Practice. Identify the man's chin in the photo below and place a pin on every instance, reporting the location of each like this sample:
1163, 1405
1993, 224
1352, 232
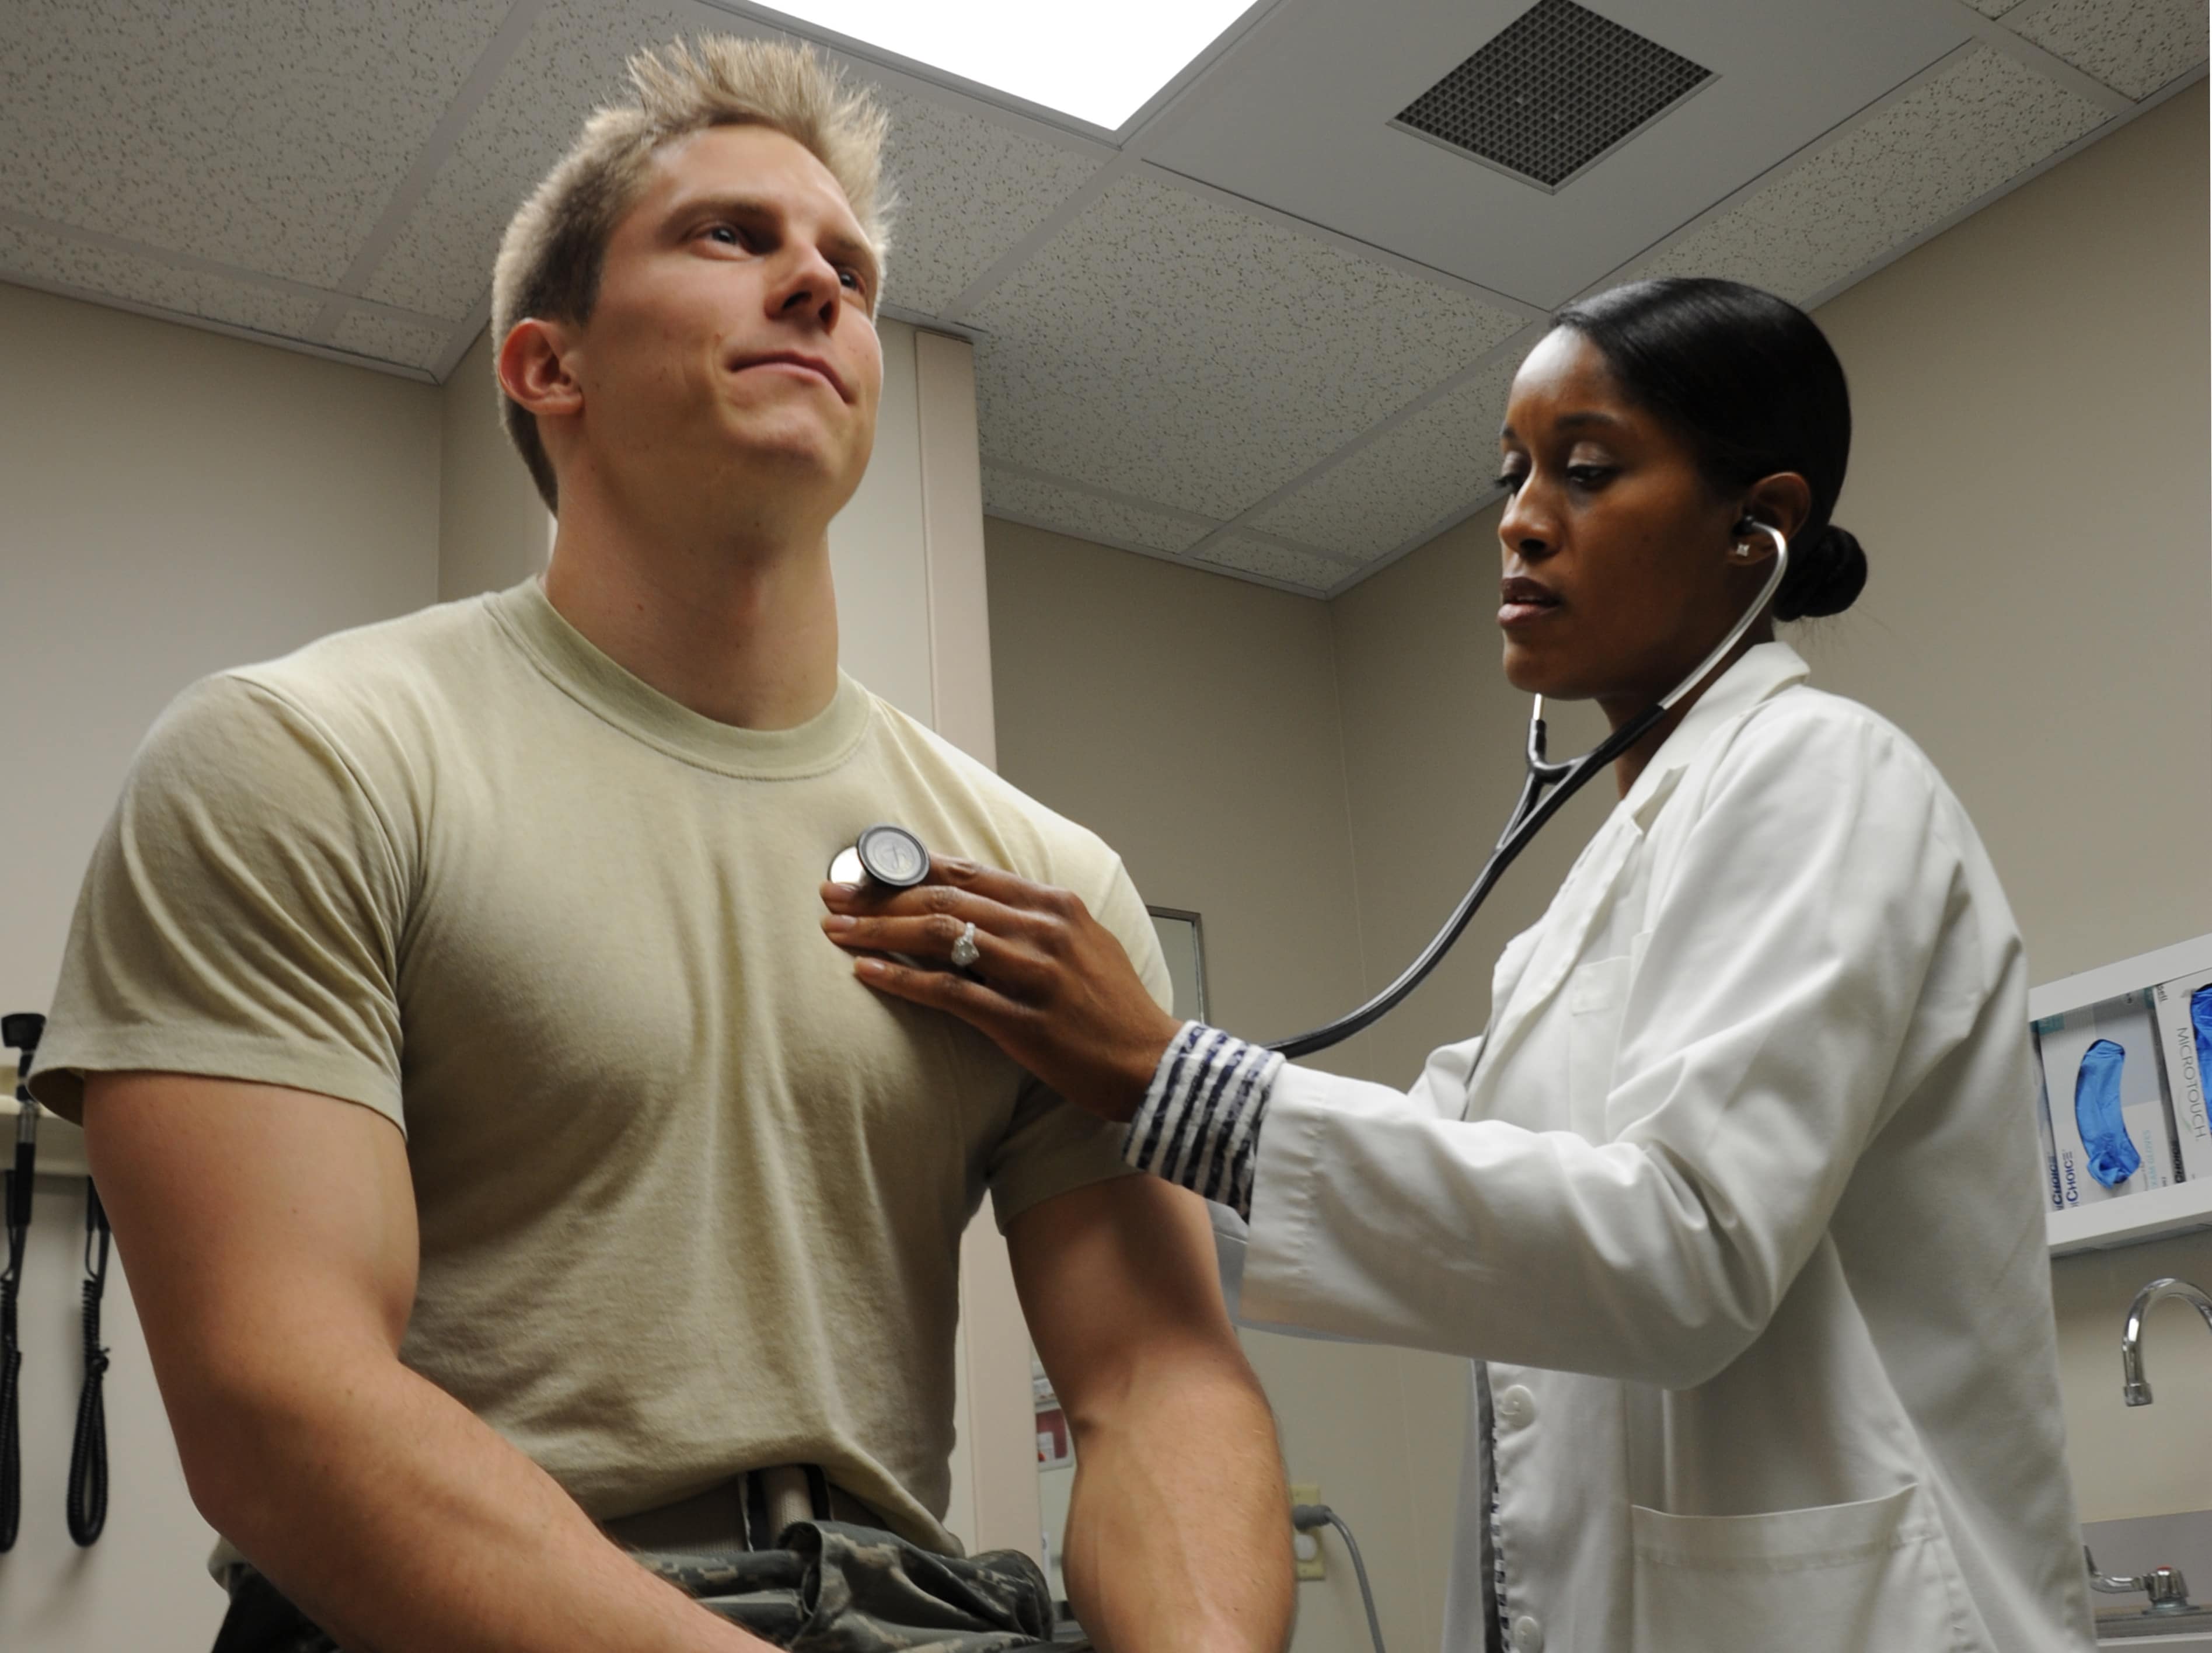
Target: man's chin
793, 479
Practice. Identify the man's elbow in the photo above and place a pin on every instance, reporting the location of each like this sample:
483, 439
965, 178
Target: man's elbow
252, 1444
1166, 1383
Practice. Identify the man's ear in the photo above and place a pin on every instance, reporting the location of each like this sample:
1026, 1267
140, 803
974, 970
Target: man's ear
533, 367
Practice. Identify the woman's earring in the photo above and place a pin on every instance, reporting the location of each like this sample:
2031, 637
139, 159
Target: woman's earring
1743, 553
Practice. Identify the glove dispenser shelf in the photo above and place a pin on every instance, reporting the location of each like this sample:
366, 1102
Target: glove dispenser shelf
2152, 1213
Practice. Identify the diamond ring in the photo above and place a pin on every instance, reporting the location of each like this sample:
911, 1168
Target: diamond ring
965, 952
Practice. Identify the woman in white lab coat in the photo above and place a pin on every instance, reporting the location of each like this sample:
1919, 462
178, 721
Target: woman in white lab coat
1734, 1206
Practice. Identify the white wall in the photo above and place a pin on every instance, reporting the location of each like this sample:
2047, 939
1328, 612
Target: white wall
493, 530
177, 502
2030, 478
1121, 680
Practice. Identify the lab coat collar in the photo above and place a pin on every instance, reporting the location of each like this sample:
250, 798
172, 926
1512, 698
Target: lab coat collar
1762, 672
1529, 976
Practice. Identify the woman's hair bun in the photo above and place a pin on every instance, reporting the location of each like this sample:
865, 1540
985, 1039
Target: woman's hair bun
1827, 572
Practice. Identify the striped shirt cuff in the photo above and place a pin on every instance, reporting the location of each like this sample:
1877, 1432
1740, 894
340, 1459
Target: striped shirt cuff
1200, 1124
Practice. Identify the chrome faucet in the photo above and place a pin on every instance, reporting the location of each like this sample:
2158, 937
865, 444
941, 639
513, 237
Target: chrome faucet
2133, 1386
2168, 1590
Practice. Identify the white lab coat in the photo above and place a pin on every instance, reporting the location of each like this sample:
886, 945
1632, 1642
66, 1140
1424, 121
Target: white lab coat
1742, 1209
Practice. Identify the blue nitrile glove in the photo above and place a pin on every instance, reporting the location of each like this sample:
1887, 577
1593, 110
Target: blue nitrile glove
2112, 1158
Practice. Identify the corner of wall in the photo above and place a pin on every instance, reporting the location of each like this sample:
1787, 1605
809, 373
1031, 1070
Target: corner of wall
493, 530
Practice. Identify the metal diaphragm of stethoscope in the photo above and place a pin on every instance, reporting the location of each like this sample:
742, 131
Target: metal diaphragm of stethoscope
1547, 789
884, 854
890, 857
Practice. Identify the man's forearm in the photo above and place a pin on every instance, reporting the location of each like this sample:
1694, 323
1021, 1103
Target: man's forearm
400, 1522
1179, 1532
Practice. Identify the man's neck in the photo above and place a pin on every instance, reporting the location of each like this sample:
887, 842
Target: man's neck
743, 632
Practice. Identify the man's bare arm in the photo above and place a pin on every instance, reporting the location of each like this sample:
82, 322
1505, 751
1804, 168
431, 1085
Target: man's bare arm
270, 1239
1179, 1533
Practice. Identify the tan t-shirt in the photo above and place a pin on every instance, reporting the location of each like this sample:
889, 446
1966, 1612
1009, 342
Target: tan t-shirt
690, 1195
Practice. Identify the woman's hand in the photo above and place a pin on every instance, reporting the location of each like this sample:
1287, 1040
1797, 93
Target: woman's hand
1050, 986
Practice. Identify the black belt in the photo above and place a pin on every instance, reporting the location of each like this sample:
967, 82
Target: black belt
749, 1512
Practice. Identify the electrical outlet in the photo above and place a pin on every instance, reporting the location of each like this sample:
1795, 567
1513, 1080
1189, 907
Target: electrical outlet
1312, 1562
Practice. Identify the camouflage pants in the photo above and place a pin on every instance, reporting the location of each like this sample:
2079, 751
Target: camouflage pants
832, 1588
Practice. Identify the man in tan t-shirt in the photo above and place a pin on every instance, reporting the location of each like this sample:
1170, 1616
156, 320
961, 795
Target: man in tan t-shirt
506, 1160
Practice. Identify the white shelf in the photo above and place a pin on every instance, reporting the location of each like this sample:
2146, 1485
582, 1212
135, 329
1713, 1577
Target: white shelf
2150, 1215
2157, 1212
2111, 981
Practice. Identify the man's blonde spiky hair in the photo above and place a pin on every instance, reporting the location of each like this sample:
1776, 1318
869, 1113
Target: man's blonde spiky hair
551, 255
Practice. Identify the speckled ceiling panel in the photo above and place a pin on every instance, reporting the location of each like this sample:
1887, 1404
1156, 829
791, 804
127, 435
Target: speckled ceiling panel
34, 256
969, 189
1086, 516
1310, 573
265, 134
385, 338
1982, 120
2134, 47
1440, 461
571, 61
1993, 7
1166, 347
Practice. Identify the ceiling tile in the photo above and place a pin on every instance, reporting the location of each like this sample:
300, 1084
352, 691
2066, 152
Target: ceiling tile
1086, 516
388, 338
1971, 127
1306, 126
1317, 575
1440, 461
571, 61
1168, 347
35, 256
2134, 47
1993, 7
263, 134
968, 189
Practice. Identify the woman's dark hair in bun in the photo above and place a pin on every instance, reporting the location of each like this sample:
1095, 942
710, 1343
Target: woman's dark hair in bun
1754, 385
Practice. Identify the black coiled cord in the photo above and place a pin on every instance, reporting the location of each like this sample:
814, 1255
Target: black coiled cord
11, 1354
88, 1476
11, 1437
20, 1031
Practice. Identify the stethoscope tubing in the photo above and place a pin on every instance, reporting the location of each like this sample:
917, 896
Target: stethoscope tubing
1543, 794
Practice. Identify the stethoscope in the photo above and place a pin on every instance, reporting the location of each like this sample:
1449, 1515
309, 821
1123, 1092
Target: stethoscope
87, 1500
895, 858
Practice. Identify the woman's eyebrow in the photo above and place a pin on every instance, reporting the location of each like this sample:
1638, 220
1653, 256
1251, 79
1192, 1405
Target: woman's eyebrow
1578, 421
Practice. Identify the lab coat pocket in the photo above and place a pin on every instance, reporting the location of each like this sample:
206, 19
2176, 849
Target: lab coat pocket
1840, 1578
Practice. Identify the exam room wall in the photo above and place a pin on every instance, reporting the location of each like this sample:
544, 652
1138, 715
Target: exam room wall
177, 500
2030, 478
1192, 721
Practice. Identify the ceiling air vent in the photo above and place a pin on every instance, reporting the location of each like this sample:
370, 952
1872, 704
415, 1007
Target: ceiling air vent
1554, 93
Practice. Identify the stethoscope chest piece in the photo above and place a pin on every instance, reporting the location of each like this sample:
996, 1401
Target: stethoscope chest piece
884, 854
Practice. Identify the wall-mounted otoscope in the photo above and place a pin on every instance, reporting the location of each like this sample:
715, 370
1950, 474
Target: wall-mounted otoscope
87, 1474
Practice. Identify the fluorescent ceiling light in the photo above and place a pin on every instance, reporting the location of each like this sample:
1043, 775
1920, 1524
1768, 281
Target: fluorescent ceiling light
1098, 60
